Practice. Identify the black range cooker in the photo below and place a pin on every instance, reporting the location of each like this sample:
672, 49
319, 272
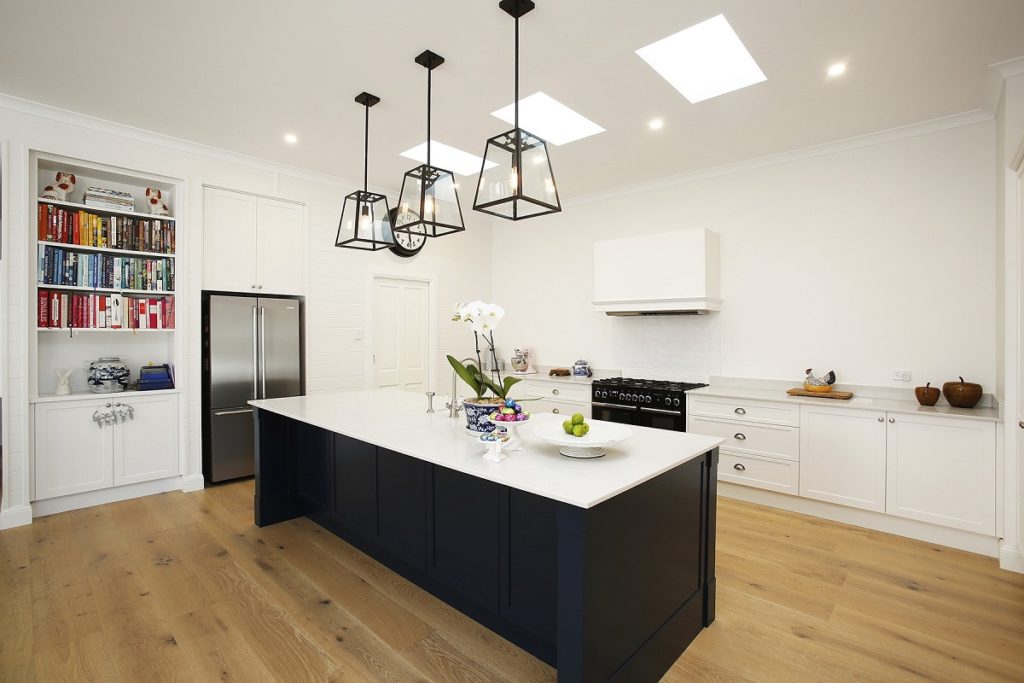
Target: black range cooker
642, 402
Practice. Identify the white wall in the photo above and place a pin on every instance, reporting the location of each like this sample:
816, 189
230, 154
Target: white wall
864, 256
337, 279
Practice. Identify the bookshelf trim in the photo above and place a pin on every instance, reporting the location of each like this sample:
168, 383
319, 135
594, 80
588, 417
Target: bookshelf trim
105, 290
109, 212
105, 250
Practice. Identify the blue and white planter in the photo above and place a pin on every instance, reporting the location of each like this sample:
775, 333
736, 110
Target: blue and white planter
107, 376
477, 416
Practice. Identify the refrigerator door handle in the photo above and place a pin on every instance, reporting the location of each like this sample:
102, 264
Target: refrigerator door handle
237, 411
263, 349
255, 362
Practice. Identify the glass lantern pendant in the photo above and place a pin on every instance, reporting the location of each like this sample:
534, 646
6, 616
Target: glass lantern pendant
429, 204
365, 220
519, 183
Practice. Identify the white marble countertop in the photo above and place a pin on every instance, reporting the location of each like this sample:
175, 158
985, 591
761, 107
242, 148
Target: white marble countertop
399, 422
891, 405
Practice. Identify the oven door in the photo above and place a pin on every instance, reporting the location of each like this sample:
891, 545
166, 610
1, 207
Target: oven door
659, 418
627, 415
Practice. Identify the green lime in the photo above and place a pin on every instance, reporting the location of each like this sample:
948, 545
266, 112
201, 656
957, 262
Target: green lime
579, 430
577, 419
567, 426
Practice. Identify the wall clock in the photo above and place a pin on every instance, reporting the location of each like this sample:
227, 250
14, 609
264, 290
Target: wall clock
406, 244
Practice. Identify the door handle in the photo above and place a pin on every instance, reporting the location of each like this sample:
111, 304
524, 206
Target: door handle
255, 359
263, 350
660, 411
238, 411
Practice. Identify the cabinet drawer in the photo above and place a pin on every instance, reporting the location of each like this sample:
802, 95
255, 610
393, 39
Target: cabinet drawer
773, 475
557, 391
740, 409
776, 441
558, 407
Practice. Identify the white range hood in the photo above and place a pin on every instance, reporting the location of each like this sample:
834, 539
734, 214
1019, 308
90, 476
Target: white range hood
663, 274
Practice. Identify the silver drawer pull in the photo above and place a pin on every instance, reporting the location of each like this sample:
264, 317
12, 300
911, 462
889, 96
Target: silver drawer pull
739, 436
555, 392
892, 420
740, 467
556, 411
740, 411
881, 419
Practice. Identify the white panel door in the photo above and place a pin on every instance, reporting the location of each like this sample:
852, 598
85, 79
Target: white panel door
842, 456
401, 333
72, 453
146, 446
229, 241
943, 470
280, 230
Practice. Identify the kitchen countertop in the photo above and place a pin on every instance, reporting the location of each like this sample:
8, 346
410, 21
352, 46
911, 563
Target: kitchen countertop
399, 422
891, 405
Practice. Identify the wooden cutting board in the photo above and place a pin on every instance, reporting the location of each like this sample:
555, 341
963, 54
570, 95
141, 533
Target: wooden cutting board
840, 395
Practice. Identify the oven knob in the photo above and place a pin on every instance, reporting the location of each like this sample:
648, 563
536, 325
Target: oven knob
623, 396
668, 401
647, 399
675, 402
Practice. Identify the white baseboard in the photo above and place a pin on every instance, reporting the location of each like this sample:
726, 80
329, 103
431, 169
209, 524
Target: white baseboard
16, 516
193, 482
922, 531
1011, 559
51, 506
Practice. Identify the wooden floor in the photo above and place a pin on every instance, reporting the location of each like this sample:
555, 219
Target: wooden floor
184, 587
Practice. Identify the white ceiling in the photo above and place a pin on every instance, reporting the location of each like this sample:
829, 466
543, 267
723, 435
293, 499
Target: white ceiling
238, 75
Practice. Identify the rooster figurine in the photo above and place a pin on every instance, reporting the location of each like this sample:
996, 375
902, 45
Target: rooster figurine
821, 384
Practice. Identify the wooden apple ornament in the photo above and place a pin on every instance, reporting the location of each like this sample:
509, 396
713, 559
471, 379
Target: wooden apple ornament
927, 395
962, 394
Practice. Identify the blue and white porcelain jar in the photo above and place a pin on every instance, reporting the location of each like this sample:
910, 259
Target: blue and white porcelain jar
108, 375
478, 416
581, 368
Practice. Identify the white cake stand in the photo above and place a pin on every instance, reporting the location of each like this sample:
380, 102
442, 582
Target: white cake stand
514, 443
593, 444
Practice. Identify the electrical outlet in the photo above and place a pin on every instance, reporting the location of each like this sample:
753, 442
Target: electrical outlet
901, 375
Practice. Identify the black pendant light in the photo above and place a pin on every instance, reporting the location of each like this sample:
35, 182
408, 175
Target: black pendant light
429, 204
520, 183
365, 220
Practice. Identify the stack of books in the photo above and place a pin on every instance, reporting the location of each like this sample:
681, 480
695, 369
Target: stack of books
103, 198
156, 377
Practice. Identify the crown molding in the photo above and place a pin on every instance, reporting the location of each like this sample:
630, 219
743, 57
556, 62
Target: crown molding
66, 116
967, 118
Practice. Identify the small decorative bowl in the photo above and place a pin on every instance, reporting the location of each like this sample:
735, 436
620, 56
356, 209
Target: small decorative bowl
818, 388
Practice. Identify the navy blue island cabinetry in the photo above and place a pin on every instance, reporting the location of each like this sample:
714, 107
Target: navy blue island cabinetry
610, 592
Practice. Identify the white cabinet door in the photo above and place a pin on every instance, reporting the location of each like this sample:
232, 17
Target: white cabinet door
72, 453
943, 470
229, 241
146, 447
280, 229
842, 456
566, 408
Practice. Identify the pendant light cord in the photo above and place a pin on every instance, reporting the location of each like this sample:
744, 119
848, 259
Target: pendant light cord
517, 79
430, 72
366, 145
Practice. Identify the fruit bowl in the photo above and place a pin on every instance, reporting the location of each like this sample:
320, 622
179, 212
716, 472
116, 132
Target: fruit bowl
591, 445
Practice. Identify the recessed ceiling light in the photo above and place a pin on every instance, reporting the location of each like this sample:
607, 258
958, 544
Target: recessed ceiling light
703, 61
291, 138
448, 158
549, 119
656, 124
837, 69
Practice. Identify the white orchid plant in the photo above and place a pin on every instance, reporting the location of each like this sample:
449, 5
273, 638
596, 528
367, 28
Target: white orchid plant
483, 319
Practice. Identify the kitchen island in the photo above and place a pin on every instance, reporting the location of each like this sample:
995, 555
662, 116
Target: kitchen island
602, 568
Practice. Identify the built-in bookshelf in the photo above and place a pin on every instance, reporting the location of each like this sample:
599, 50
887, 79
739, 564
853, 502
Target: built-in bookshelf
105, 272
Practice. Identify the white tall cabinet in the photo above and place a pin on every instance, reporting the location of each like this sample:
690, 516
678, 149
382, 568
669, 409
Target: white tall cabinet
252, 244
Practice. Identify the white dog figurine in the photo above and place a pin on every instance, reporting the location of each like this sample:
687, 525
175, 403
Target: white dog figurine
157, 206
63, 382
61, 188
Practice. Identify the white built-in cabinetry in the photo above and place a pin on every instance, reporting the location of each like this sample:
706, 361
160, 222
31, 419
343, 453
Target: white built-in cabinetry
562, 397
75, 453
251, 243
929, 468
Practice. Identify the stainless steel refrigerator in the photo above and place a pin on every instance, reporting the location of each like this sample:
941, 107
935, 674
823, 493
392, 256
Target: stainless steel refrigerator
252, 348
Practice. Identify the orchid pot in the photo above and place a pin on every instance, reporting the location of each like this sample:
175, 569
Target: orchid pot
489, 390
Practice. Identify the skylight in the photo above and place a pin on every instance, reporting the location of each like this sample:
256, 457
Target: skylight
546, 117
448, 158
703, 61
